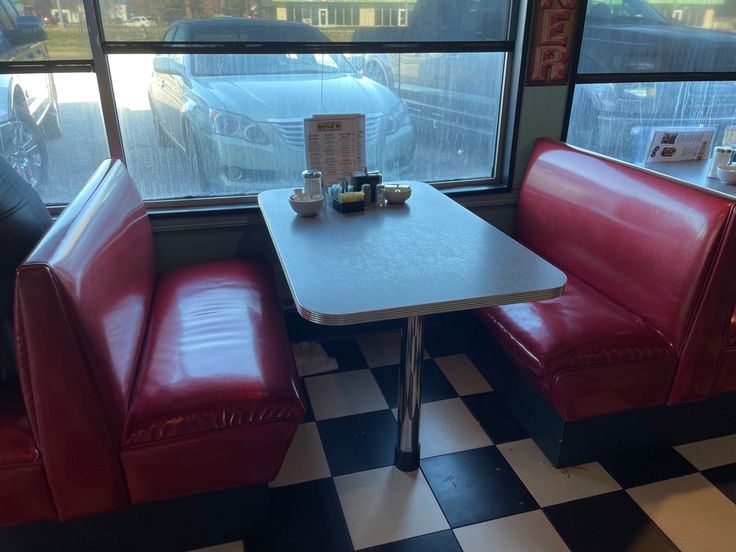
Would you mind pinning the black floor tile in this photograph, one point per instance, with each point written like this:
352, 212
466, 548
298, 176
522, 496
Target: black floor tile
435, 386
305, 517
309, 416
640, 467
346, 352
360, 442
495, 418
723, 477
450, 337
443, 541
609, 522
476, 485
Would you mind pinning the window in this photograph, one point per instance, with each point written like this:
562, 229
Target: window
645, 65
51, 128
208, 98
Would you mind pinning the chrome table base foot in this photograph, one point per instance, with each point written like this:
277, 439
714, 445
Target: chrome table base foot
406, 461
410, 394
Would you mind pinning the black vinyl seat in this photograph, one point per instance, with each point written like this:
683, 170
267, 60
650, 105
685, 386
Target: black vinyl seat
23, 221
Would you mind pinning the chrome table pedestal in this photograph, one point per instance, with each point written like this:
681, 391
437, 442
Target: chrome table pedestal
410, 394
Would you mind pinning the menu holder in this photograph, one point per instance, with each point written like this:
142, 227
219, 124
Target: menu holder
680, 144
335, 145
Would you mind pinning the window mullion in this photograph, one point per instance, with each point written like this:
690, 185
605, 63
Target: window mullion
104, 81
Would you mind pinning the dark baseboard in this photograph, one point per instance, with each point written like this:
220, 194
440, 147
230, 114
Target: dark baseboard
184, 523
577, 442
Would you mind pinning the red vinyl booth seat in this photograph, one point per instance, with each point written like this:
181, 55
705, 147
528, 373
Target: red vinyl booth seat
647, 313
726, 381
24, 491
141, 387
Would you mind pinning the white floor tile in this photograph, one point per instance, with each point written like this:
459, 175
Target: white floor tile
448, 426
463, 375
382, 349
228, 547
550, 485
693, 513
305, 460
386, 505
344, 394
710, 453
528, 532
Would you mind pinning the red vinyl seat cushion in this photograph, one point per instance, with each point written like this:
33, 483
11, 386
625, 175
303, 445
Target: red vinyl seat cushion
216, 357
557, 343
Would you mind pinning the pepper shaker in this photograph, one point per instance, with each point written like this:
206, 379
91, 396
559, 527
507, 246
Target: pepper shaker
367, 194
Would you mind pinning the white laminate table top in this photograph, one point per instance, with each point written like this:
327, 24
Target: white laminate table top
427, 256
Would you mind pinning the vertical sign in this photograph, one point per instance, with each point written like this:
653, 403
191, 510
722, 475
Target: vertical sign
553, 39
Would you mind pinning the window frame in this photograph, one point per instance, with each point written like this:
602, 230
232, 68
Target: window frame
624, 78
101, 48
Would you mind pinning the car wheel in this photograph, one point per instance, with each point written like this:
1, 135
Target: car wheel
162, 139
51, 124
26, 151
375, 71
195, 161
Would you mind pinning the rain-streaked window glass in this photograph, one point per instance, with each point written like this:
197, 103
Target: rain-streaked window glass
202, 124
619, 119
659, 36
51, 131
339, 20
38, 30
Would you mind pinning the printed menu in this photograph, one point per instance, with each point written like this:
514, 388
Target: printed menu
335, 145
680, 144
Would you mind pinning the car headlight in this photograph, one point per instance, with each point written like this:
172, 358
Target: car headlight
225, 123
396, 118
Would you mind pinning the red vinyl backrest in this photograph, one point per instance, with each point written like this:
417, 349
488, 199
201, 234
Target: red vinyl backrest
661, 249
82, 303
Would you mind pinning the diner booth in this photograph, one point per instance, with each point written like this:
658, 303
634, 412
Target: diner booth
392, 276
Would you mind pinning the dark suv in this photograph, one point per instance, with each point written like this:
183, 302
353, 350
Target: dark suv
460, 92
29, 111
631, 37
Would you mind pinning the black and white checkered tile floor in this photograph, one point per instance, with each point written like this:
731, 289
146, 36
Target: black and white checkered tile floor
483, 484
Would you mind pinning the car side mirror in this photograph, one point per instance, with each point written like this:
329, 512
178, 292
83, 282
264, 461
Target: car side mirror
29, 29
166, 65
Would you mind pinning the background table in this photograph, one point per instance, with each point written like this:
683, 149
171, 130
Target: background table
430, 255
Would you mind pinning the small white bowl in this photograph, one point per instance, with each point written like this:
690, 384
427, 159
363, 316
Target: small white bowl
727, 174
397, 193
306, 205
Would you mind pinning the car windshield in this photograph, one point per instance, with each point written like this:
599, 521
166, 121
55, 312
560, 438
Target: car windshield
628, 10
268, 64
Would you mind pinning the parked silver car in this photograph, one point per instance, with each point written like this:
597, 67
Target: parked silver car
240, 118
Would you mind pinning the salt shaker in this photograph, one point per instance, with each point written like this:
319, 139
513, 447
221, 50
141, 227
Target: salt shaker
312, 182
721, 156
